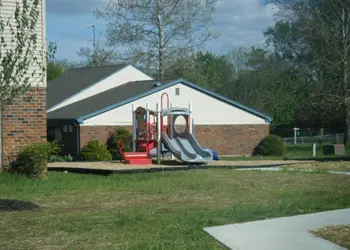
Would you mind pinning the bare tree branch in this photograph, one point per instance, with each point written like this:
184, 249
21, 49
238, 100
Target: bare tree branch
157, 28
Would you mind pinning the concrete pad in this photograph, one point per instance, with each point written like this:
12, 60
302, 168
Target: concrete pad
287, 233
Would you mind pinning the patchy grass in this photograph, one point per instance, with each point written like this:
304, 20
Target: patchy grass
339, 235
164, 210
251, 158
295, 152
343, 166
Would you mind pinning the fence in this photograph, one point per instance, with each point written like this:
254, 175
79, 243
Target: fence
332, 139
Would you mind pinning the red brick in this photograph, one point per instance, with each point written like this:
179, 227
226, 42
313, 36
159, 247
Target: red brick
23, 126
225, 139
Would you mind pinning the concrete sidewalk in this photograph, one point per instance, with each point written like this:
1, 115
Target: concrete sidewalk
287, 233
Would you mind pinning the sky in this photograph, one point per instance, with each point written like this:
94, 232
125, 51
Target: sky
239, 22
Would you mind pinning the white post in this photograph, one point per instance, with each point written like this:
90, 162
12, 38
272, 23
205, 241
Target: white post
313, 149
295, 135
190, 118
337, 136
159, 141
147, 115
133, 127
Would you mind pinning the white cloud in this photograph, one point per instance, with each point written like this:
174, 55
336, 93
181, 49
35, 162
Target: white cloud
241, 23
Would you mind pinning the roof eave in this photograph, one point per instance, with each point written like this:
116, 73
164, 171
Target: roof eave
79, 92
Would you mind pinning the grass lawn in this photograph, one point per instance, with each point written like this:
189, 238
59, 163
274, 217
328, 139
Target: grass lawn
339, 235
164, 210
294, 152
343, 166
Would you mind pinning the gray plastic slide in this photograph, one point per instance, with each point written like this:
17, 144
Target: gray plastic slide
186, 148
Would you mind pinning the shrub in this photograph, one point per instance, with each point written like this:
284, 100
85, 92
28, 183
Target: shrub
32, 159
120, 133
96, 151
57, 158
271, 145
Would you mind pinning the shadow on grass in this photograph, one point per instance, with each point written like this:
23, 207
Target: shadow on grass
17, 205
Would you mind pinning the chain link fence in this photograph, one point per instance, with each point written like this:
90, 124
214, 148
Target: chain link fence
330, 139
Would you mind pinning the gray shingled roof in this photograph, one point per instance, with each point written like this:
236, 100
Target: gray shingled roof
76, 80
104, 99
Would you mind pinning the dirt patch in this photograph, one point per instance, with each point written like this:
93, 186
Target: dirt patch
339, 235
326, 166
115, 166
16, 205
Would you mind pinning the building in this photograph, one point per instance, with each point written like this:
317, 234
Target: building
90, 103
24, 121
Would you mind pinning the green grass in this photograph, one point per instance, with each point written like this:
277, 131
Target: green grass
164, 210
295, 152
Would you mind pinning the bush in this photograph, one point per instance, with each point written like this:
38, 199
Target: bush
120, 133
95, 151
57, 158
32, 159
271, 145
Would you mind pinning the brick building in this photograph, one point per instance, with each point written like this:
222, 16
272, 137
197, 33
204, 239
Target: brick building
89, 103
24, 121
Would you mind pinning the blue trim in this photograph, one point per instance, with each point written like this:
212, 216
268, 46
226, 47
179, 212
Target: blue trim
79, 92
80, 121
190, 84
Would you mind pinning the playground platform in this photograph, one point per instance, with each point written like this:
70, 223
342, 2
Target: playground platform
117, 167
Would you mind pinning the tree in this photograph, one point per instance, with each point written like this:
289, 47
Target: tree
269, 85
319, 47
154, 32
18, 50
19, 61
206, 69
99, 56
53, 68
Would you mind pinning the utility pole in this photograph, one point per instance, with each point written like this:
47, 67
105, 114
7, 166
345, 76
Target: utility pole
94, 41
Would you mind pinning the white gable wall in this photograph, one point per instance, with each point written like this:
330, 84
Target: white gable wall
37, 78
125, 75
206, 109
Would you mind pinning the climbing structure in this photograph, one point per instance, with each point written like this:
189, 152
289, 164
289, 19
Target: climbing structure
150, 134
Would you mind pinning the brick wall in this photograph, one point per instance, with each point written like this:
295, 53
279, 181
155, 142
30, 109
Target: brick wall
231, 139
23, 122
225, 139
101, 133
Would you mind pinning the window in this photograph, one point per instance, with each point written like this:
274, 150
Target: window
67, 129
177, 91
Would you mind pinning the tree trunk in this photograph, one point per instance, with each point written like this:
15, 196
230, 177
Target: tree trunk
346, 125
345, 33
160, 42
1, 151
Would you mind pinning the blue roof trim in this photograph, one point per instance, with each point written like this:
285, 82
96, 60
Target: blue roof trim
79, 92
190, 84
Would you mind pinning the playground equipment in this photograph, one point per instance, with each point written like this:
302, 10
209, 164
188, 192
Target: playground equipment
151, 137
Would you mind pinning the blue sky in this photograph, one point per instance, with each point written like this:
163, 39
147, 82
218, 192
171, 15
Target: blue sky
240, 22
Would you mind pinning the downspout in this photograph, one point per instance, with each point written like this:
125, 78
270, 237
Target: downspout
78, 137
